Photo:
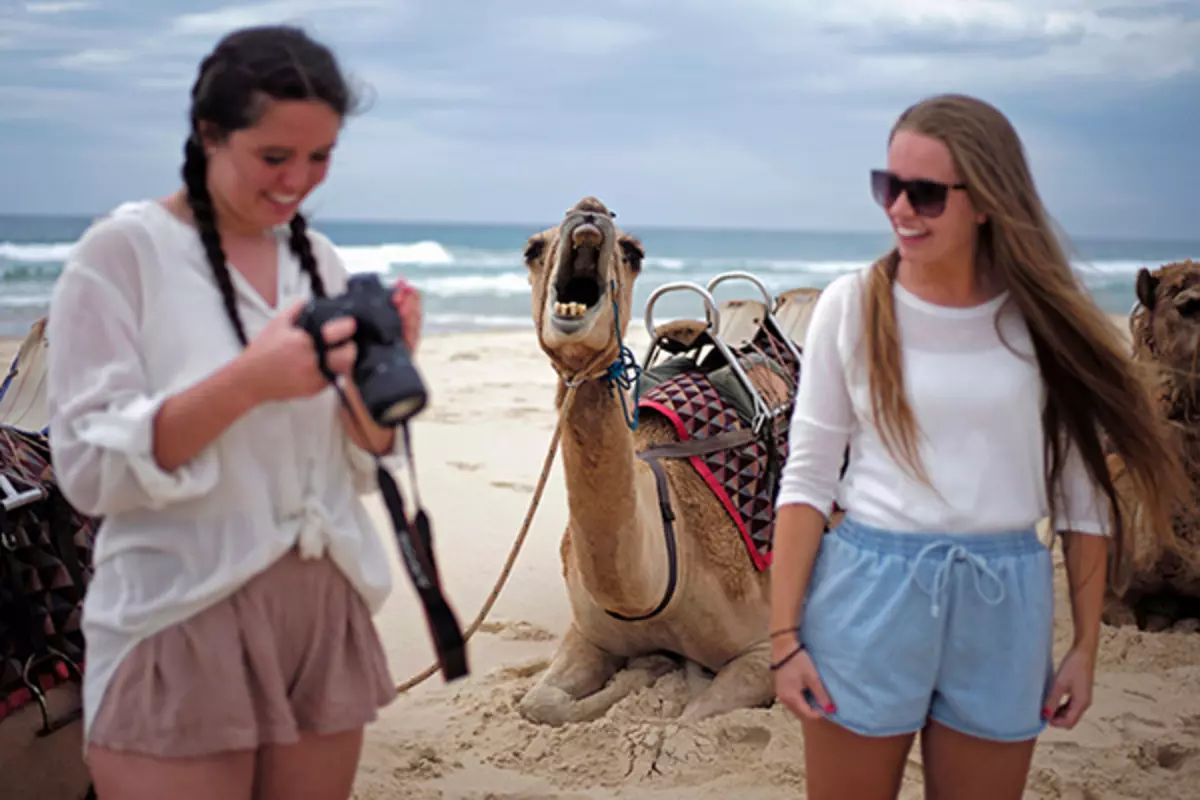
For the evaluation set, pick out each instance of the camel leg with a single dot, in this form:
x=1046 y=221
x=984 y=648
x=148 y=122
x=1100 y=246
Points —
x=1117 y=611
x=745 y=682
x=576 y=687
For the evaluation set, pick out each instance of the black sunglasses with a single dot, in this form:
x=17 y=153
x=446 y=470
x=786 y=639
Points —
x=927 y=198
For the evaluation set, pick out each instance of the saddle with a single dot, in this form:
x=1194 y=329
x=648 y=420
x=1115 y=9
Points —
x=45 y=567
x=727 y=387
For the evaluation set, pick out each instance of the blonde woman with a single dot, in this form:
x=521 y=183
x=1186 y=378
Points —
x=971 y=377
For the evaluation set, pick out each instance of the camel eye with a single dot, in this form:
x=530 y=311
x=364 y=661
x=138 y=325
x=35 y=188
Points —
x=633 y=252
x=533 y=250
x=1189 y=307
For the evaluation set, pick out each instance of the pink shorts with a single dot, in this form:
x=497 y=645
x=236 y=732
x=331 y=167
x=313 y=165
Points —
x=293 y=650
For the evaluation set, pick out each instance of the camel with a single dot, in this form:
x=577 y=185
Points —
x=1161 y=589
x=641 y=599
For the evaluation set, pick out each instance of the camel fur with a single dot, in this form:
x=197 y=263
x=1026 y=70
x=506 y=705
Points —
x=613 y=554
x=1161 y=589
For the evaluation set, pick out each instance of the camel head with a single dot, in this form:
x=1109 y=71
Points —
x=1168 y=330
x=574 y=268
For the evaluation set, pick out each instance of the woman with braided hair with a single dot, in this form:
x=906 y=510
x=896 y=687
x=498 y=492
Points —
x=231 y=650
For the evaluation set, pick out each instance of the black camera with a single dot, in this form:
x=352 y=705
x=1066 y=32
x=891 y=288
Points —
x=387 y=379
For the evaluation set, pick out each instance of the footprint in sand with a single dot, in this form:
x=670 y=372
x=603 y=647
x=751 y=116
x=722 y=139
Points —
x=522 y=671
x=1164 y=755
x=1133 y=720
x=519 y=631
x=424 y=762
x=465 y=355
x=465 y=466
x=525 y=411
x=516 y=487
x=1173 y=756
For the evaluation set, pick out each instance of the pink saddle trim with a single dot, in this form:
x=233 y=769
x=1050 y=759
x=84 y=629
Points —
x=760 y=561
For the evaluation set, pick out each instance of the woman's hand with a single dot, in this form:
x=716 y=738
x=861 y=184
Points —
x=794 y=676
x=1076 y=675
x=408 y=303
x=280 y=363
x=1084 y=556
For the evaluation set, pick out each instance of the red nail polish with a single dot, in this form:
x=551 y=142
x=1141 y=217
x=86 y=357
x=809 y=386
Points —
x=1045 y=713
x=830 y=709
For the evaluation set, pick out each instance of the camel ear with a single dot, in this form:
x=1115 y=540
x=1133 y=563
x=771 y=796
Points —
x=634 y=252
x=533 y=248
x=1147 y=286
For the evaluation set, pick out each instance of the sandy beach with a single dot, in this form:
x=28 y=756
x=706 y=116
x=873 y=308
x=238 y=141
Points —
x=479 y=450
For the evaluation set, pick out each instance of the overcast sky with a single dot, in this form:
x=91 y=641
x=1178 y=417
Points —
x=728 y=113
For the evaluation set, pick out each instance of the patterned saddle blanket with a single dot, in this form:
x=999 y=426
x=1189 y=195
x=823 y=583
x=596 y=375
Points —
x=703 y=402
x=45 y=567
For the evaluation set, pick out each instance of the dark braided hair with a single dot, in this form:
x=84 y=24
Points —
x=277 y=62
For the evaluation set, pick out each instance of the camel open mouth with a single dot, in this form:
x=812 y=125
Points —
x=578 y=284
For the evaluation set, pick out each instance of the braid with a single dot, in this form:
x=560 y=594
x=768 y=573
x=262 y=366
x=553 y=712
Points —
x=194 y=163
x=302 y=248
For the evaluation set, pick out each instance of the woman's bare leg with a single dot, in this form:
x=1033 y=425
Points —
x=315 y=768
x=130 y=776
x=840 y=764
x=958 y=765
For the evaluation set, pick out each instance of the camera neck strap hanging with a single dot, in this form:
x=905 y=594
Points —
x=416 y=546
x=416 y=551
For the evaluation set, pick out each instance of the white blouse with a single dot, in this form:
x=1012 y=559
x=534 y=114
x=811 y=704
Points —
x=135 y=317
x=977 y=406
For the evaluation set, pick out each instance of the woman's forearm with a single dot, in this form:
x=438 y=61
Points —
x=1085 y=556
x=798 y=531
x=188 y=422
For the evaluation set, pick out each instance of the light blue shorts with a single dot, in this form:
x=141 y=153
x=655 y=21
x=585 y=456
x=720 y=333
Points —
x=906 y=627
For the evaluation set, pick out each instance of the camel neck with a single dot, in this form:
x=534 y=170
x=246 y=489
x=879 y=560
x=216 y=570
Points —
x=609 y=496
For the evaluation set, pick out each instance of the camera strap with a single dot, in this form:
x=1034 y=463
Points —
x=416 y=546
x=416 y=551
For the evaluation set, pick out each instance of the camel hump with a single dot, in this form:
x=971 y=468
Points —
x=753 y=362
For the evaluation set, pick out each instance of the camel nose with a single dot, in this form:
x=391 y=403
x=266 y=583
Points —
x=587 y=234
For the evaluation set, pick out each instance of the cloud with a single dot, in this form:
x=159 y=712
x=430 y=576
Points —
x=221 y=20
x=1187 y=10
x=57 y=8
x=23 y=102
x=986 y=42
x=767 y=114
x=579 y=34
x=94 y=58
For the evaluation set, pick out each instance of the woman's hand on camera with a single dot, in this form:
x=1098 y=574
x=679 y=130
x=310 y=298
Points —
x=281 y=362
x=408 y=303
x=795 y=674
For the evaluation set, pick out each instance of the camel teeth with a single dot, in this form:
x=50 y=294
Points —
x=570 y=310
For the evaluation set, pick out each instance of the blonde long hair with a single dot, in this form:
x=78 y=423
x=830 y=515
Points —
x=1094 y=389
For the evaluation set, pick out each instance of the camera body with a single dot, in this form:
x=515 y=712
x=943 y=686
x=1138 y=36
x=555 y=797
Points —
x=384 y=373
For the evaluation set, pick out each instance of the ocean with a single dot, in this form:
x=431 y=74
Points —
x=472 y=277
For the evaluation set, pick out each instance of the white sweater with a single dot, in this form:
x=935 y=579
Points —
x=977 y=406
x=135 y=317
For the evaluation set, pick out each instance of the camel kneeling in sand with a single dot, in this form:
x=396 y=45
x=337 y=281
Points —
x=1162 y=588
x=642 y=582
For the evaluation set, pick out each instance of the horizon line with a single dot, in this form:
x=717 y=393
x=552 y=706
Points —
x=535 y=227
